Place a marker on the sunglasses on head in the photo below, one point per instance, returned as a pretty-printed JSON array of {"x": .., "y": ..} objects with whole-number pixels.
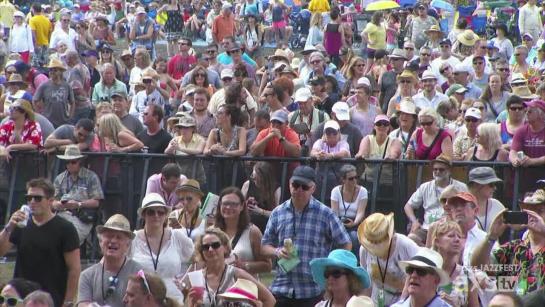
[
  {"x": 419, "y": 271},
  {"x": 214, "y": 245},
  {"x": 37, "y": 198},
  {"x": 297, "y": 185},
  {"x": 334, "y": 273},
  {"x": 9, "y": 301}
]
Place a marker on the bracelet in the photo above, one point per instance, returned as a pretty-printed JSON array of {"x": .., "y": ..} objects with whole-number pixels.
[
  {"x": 491, "y": 240},
  {"x": 247, "y": 267}
]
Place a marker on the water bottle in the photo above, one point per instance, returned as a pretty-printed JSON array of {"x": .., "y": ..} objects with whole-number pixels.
[{"x": 25, "y": 209}]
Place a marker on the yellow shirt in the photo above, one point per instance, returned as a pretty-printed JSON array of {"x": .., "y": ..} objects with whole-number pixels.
[
  {"x": 42, "y": 26},
  {"x": 377, "y": 36},
  {"x": 6, "y": 13}
]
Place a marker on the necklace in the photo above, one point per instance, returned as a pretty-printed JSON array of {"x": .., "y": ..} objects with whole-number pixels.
[
  {"x": 156, "y": 260},
  {"x": 210, "y": 298}
]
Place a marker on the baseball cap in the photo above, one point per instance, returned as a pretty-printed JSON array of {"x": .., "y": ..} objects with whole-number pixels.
[
  {"x": 227, "y": 73},
  {"x": 332, "y": 124},
  {"x": 341, "y": 110},
  {"x": 536, "y": 103},
  {"x": 280, "y": 115},
  {"x": 428, "y": 74},
  {"x": 119, "y": 94},
  {"x": 303, "y": 174},
  {"x": 381, "y": 118},
  {"x": 460, "y": 67},
  {"x": 302, "y": 95},
  {"x": 473, "y": 112}
]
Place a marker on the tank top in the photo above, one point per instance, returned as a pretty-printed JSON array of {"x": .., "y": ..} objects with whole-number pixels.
[
  {"x": 243, "y": 249},
  {"x": 377, "y": 151},
  {"x": 332, "y": 38},
  {"x": 422, "y": 152},
  {"x": 210, "y": 297},
  {"x": 277, "y": 13},
  {"x": 234, "y": 138},
  {"x": 492, "y": 159},
  {"x": 506, "y": 137}
]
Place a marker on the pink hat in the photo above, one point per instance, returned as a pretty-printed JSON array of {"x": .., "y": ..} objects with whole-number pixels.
[
  {"x": 536, "y": 103},
  {"x": 381, "y": 118}
]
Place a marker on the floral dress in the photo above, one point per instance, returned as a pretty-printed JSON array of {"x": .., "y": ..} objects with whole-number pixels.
[{"x": 31, "y": 134}]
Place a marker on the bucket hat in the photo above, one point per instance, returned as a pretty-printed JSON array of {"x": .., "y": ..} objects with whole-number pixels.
[
  {"x": 342, "y": 259},
  {"x": 117, "y": 222}
]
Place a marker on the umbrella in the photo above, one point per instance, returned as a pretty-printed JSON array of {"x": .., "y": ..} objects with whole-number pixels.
[
  {"x": 381, "y": 5},
  {"x": 442, "y": 5}
]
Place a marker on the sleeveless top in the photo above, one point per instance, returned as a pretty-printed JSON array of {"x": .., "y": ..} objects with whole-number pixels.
[
  {"x": 363, "y": 120},
  {"x": 210, "y": 297},
  {"x": 243, "y": 249},
  {"x": 141, "y": 30},
  {"x": 492, "y": 159},
  {"x": 506, "y": 137},
  {"x": 174, "y": 21},
  {"x": 421, "y": 149},
  {"x": 233, "y": 145},
  {"x": 277, "y": 13},
  {"x": 378, "y": 152},
  {"x": 332, "y": 38}
]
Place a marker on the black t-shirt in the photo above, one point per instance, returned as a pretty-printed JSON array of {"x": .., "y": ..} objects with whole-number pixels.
[
  {"x": 40, "y": 254},
  {"x": 156, "y": 143}
]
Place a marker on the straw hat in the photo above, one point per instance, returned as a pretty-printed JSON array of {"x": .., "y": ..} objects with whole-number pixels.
[
  {"x": 26, "y": 106},
  {"x": 406, "y": 74},
  {"x": 55, "y": 63},
  {"x": 360, "y": 301},
  {"x": 375, "y": 230},
  {"x": 407, "y": 106},
  {"x": 16, "y": 79},
  {"x": 442, "y": 158},
  {"x": 434, "y": 28},
  {"x": 71, "y": 152},
  {"x": 150, "y": 73},
  {"x": 280, "y": 54},
  {"x": 524, "y": 92},
  {"x": 186, "y": 121},
  {"x": 242, "y": 289},
  {"x": 537, "y": 198},
  {"x": 117, "y": 222},
  {"x": 398, "y": 54},
  {"x": 428, "y": 259},
  {"x": 152, "y": 200},
  {"x": 467, "y": 38},
  {"x": 191, "y": 185}
]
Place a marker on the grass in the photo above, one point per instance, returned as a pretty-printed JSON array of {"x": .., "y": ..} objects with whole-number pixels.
[{"x": 6, "y": 271}]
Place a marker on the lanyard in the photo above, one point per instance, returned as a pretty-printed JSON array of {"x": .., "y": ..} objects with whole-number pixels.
[
  {"x": 68, "y": 186},
  {"x": 156, "y": 260},
  {"x": 309, "y": 118},
  {"x": 114, "y": 279},
  {"x": 383, "y": 276},
  {"x": 213, "y": 299},
  {"x": 431, "y": 301},
  {"x": 485, "y": 217},
  {"x": 342, "y": 199},
  {"x": 189, "y": 227}
]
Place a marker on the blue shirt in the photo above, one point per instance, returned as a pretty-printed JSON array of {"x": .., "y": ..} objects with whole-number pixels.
[
  {"x": 225, "y": 59},
  {"x": 315, "y": 232}
]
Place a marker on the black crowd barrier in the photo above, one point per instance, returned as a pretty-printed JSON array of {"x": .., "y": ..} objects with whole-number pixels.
[{"x": 124, "y": 176}]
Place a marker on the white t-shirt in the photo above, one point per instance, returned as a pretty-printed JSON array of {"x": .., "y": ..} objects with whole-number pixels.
[
  {"x": 347, "y": 209},
  {"x": 394, "y": 281},
  {"x": 492, "y": 207}
]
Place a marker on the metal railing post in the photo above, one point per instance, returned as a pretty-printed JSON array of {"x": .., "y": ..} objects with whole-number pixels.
[{"x": 12, "y": 182}]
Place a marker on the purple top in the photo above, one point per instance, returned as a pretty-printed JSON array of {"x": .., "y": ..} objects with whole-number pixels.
[{"x": 332, "y": 39}]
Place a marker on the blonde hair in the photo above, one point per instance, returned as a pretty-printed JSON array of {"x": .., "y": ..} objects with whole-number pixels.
[
  {"x": 490, "y": 133},
  {"x": 429, "y": 112},
  {"x": 145, "y": 56},
  {"x": 441, "y": 229},
  {"x": 316, "y": 20},
  {"x": 214, "y": 231},
  {"x": 349, "y": 73},
  {"x": 110, "y": 126},
  {"x": 103, "y": 106}
]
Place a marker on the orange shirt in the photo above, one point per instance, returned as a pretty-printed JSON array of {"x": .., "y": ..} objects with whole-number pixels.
[
  {"x": 274, "y": 148},
  {"x": 223, "y": 27}
]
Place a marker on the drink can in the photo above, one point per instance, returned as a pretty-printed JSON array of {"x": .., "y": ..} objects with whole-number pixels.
[
  {"x": 26, "y": 210},
  {"x": 145, "y": 149}
]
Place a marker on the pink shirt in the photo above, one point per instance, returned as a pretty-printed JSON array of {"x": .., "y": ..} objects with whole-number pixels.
[{"x": 154, "y": 186}]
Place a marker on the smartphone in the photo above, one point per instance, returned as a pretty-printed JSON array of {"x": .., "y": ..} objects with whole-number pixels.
[{"x": 515, "y": 217}]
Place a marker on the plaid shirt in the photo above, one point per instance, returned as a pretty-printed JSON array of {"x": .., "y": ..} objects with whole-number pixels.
[
  {"x": 87, "y": 184},
  {"x": 315, "y": 232}
]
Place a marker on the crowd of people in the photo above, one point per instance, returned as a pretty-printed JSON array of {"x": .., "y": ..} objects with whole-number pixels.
[{"x": 405, "y": 86}]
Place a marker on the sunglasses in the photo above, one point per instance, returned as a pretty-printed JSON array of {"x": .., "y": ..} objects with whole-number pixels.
[
  {"x": 331, "y": 132},
  {"x": 214, "y": 245},
  {"x": 227, "y": 79},
  {"x": 10, "y": 301},
  {"x": 13, "y": 109},
  {"x": 503, "y": 69},
  {"x": 478, "y": 63},
  {"x": 382, "y": 124},
  {"x": 425, "y": 54},
  {"x": 151, "y": 212},
  {"x": 419, "y": 271},
  {"x": 230, "y": 203},
  {"x": 297, "y": 185},
  {"x": 8, "y": 72},
  {"x": 426, "y": 123},
  {"x": 37, "y": 198},
  {"x": 516, "y": 108},
  {"x": 334, "y": 273},
  {"x": 408, "y": 48},
  {"x": 405, "y": 81},
  {"x": 146, "y": 81},
  {"x": 471, "y": 120}
]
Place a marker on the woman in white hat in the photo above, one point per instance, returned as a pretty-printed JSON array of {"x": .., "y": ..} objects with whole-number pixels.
[
  {"x": 159, "y": 248},
  {"x": 381, "y": 251},
  {"x": 20, "y": 37},
  {"x": 407, "y": 120}
]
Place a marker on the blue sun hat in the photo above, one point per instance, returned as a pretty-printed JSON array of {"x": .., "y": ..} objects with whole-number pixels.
[{"x": 339, "y": 258}]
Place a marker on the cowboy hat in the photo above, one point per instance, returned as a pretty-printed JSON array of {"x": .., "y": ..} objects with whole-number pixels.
[
  {"x": 191, "y": 185},
  {"x": 406, "y": 74},
  {"x": 54, "y": 63},
  {"x": 340, "y": 258},
  {"x": 442, "y": 158},
  {"x": 242, "y": 289},
  {"x": 152, "y": 200},
  {"x": 374, "y": 230},
  {"x": 428, "y": 259},
  {"x": 117, "y": 222},
  {"x": 467, "y": 38},
  {"x": 26, "y": 106},
  {"x": 15, "y": 79},
  {"x": 524, "y": 92},
  {"x": 71, "y": 152}
]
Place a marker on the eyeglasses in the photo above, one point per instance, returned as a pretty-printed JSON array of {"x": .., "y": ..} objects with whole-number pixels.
[
  {"x": 297, "y": 185},
  {"x": 471, "y": 120},
  {"x": 351, "y": 178},
  {"x": 214, "y": 245},
  {"x": 316, "y": 62},
  {"x": 478, "y": 63},
  {"x": 187, "y": 198},
  {"x": 142, "y": 275},
  {"x": 334, "y": 273},
  {"x": 10, "y": 301},
  {"x": 426, "y": 123},
  {"x": 13, "y": 109},
  {"x": 65, "y": 20},
  {"x": 200, "y": 75},
  {"x": 382, "y": 124},
  {"x": 37, "y": 198},
  {"x": 230, "y": 203},
  {"x": 151, "y": 212},
  {"x": 516, "y": 109},
  {"x": 419, "y": 271},
  {"x": 106, "y": 51}
]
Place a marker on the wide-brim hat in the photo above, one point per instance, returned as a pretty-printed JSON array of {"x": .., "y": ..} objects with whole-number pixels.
[
  {"x": 340, "y": 258},
  {"x": 242, "y": 289},
  {"x": 15, "y": 79},
  {"x": 374, "y": 230},
  {"x": 398, "y": 54},
  {"x": 280, "y": 54},
  {"x": 427, "y": 259},
  {"x": 152, "y": 200},
  {"x": 55, "y": 63},
  {"x": 524, "y": 92},
  {"x": 186, "y": 121},
  {"x": 536, "y": 198},
  {"x": 435, "y": 29},
  {"x": 26, "y": 105},
  {"x": 407, "y": 106},
  {"x": 191, "y": 185},
  {"x": 483, "y": 175},
  {"x": 443, "y": 158},
  {"x": 467, "y": 38},
  {"x": 117, "y": 222},
  {"x": 71, "y": 152},
  {"x": 406, "y": 74}
]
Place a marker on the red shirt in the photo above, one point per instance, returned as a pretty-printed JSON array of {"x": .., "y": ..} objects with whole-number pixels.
[
  {"x": 274, "y": 148},
  {"x": 179, "y": 65},
  {"x": 31, "y": 134}
]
